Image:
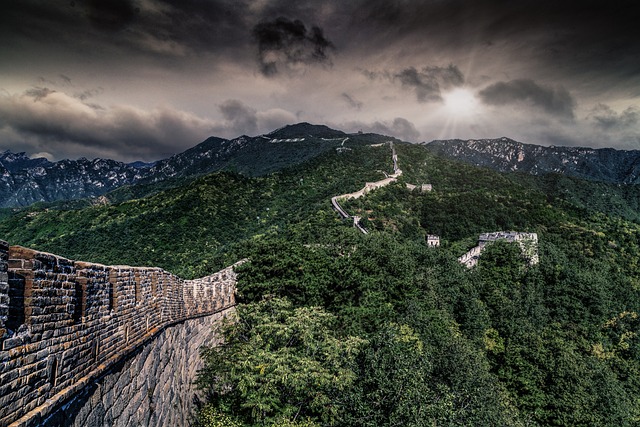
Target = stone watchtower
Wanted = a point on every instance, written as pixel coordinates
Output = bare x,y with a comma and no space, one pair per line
433,241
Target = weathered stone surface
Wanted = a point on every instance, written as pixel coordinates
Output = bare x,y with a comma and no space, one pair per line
154,387
4,286
65,323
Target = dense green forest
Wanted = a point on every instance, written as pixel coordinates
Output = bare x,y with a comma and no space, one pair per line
339,328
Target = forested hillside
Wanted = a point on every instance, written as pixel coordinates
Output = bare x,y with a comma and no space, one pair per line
340,328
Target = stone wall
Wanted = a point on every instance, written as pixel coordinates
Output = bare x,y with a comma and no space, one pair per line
470,259
369,186
153,387
65,323
528,243
4,287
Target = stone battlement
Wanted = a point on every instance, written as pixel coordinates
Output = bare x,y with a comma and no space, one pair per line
528,246
508,236
63,323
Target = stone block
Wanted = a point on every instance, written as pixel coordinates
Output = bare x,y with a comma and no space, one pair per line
41,364
10,343
9,376
42,354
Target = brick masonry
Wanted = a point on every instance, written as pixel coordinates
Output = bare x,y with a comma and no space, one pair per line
64,323
153,387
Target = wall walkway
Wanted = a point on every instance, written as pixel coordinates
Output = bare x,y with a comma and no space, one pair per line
369,186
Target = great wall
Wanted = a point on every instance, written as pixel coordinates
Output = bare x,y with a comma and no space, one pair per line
84,344
64,324
369,186
528,242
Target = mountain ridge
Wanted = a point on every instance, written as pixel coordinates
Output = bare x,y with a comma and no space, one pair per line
24,181
506,155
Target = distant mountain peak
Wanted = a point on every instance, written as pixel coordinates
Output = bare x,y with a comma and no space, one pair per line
304,129
10,156
138,164
18,161
24,181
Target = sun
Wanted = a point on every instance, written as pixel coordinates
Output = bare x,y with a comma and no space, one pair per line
460,114
460,102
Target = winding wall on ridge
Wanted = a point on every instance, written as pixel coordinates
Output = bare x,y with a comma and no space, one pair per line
64,323
369,186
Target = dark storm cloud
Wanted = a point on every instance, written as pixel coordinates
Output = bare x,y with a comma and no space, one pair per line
351,101
112,27
429,82
201,26
111,15
37,93
546,25
166,29
604,117
557,101
241,119
564,32
288,43
590,38
67,126
427,90
89,93
404,129
240,116
400,128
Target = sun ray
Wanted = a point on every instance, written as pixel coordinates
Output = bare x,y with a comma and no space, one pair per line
460,102
459,114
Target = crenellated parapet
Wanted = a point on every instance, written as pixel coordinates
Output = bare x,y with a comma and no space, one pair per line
63,323
4,286
528,243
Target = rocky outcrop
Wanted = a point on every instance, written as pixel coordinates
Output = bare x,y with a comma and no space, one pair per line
507,155
24,181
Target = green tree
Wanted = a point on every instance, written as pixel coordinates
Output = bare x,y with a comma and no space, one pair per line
279,364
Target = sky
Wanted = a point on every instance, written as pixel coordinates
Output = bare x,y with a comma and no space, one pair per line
146,79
